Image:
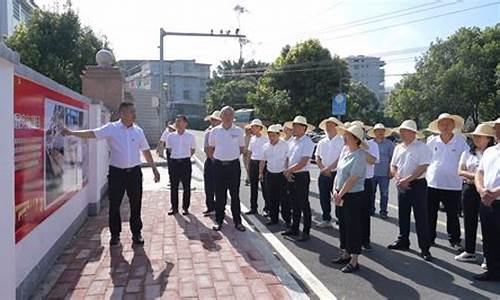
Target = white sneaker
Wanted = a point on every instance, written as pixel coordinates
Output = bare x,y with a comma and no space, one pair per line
483,265
466,257
325,224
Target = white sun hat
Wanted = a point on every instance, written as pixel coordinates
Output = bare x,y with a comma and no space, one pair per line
357,131
409,125
483,129
371,132
493,123
303,121
323,123
458,120
215,115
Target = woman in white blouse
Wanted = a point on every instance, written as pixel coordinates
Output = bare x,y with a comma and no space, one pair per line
483,137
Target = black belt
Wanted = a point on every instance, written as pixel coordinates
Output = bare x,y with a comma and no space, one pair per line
227,162
127,170
180,159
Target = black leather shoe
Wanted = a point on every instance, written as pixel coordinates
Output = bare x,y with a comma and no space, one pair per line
399,245
209,212
341,260
217,227
240,227
303,237
172,212
288,225
137,240
349,268
457,247
115,240
290,233
367,247
426,255
251,212
185,212
269,223
266,214
487,276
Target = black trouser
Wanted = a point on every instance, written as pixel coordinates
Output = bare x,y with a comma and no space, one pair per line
276,187
366,212
254,186
180,172
416,198
325,186
121,181
209,181
490,227
299,195
350,214
471,202
227,177
451,201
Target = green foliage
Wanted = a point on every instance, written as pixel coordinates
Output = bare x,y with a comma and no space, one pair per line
458,75
362,104
57,45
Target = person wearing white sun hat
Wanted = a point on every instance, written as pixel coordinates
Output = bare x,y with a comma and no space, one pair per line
408,166
487,181
274,162
381,177
255,149
327,155
208,168
444,184
483,137
297,174
348,195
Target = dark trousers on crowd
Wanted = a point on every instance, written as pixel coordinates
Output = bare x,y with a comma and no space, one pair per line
254,186
276,187
451,201
121,181
416,198
325,185
299,195
350,214
383,184
209,181
180,172
227,178
366,212
471,201
490,227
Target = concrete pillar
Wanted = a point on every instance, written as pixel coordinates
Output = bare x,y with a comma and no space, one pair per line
94,191
7,206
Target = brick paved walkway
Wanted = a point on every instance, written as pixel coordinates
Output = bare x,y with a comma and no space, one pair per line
181,259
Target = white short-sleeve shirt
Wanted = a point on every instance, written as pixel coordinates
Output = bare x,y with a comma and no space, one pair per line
470,161
490,166
227,142
180,145
408,158
299,148
329,149
164,135
256,146
275,156
125,143
443,170
373,151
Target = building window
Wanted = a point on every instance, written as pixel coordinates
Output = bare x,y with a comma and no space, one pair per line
15,8
185,95
202,96
187,68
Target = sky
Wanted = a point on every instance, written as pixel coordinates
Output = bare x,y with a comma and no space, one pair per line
350,27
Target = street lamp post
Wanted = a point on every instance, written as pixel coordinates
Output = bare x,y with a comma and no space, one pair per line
163,33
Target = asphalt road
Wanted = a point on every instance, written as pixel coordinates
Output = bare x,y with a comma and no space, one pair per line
384,274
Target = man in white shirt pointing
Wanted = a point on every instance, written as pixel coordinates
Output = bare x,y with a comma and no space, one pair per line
126,140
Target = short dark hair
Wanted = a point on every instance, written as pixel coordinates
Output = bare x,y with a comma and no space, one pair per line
124,105
183,117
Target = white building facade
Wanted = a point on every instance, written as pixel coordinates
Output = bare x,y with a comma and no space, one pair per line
369,71
13,13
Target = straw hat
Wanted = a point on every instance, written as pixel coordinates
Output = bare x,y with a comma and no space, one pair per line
323,123
171,126
484,130
257,122
357,131
459,122
360,124
276,128
303,121
215,115
371,132
409,125
493,123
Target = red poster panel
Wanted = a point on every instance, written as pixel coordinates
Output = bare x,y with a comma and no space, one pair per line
49,168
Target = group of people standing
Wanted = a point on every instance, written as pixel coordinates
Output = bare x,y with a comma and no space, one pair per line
445,170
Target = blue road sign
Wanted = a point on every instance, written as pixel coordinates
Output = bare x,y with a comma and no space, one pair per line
339,104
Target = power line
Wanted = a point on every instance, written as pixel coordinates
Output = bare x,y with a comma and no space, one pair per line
377,20
414,21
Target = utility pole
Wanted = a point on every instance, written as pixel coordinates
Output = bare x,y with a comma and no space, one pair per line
222,34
